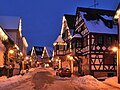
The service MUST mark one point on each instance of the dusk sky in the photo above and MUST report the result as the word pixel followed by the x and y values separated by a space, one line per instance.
pixel 42 19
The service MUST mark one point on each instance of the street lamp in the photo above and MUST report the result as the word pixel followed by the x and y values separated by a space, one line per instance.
pixel 117 16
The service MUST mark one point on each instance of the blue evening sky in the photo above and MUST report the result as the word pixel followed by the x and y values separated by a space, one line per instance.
pixel 42 19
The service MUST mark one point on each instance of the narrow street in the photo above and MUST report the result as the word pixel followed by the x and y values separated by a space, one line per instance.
pixel 45 79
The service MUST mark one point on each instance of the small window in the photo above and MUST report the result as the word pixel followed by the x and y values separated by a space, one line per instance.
pixel 109 40
pixel 78 43
pixel 61 47
pixel 100 40
pixel 85 42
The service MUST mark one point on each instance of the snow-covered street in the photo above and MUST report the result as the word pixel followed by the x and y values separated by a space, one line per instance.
pixel 45 79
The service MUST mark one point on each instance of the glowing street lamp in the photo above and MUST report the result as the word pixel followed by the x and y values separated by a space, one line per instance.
pixel 114 49
pixel 26 57
pixel 9 52
pixel 117 17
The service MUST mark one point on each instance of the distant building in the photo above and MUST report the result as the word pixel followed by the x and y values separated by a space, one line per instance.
pixel 13 28
pixel 40 54
pixel 62 45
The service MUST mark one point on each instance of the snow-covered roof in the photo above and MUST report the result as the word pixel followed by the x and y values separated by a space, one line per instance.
pixel 107 17
pixel 98 26
pixel 77 36
pixel 59 40
pixel 9 22
pixel 38 50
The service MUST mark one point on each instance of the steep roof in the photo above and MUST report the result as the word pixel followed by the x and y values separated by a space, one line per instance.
pixel 77 36
pixel 9 22
pixel 59 40
pixel 96 11
pixel 38 50
pixel 98 21
pixel 70 20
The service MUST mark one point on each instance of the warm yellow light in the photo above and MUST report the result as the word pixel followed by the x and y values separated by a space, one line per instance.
pixel 11 51
pixel 117 15
pixel 71 58
pixel 57 60
pixel 16 47
pixel 37 62
pixel 26 57
pixel 115 49
pixel 21 54
pixel 49 60
pixel 68 56
pixel 30 60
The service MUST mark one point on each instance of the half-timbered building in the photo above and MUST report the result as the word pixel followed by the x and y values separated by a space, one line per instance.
pixel 40 55
pixel 99 35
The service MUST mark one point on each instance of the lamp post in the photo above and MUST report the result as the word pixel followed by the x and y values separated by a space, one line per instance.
pixel 9 52
pixel 117 16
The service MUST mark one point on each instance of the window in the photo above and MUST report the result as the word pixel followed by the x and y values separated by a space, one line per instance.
pixel 85 42
pixel 57 47
pixel 78 43
pixel 61 47
pixel 100 40
pixel 109 40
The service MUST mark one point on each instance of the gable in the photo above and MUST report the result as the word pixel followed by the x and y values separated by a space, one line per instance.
pixel 45 53
pixel 38 50
pixel 67 26
pixel 95 20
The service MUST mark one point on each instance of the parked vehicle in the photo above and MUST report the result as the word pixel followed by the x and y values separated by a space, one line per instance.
pixel 63 72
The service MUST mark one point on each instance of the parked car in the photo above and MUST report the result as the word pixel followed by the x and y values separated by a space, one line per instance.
pixel 63 72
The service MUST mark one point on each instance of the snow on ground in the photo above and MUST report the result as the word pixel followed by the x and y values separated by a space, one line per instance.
pixel 112 81
pixel 87 82
pixel 8 83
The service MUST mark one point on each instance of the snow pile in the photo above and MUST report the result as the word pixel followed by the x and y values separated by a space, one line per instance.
pixel 88 82
pixel 3 78
pixel 8 83
pixel 112 81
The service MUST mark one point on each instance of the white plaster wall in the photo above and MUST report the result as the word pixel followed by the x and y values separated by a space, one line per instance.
pixel 2 50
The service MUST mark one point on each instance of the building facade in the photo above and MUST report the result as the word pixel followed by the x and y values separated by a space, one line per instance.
pixel 91 41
